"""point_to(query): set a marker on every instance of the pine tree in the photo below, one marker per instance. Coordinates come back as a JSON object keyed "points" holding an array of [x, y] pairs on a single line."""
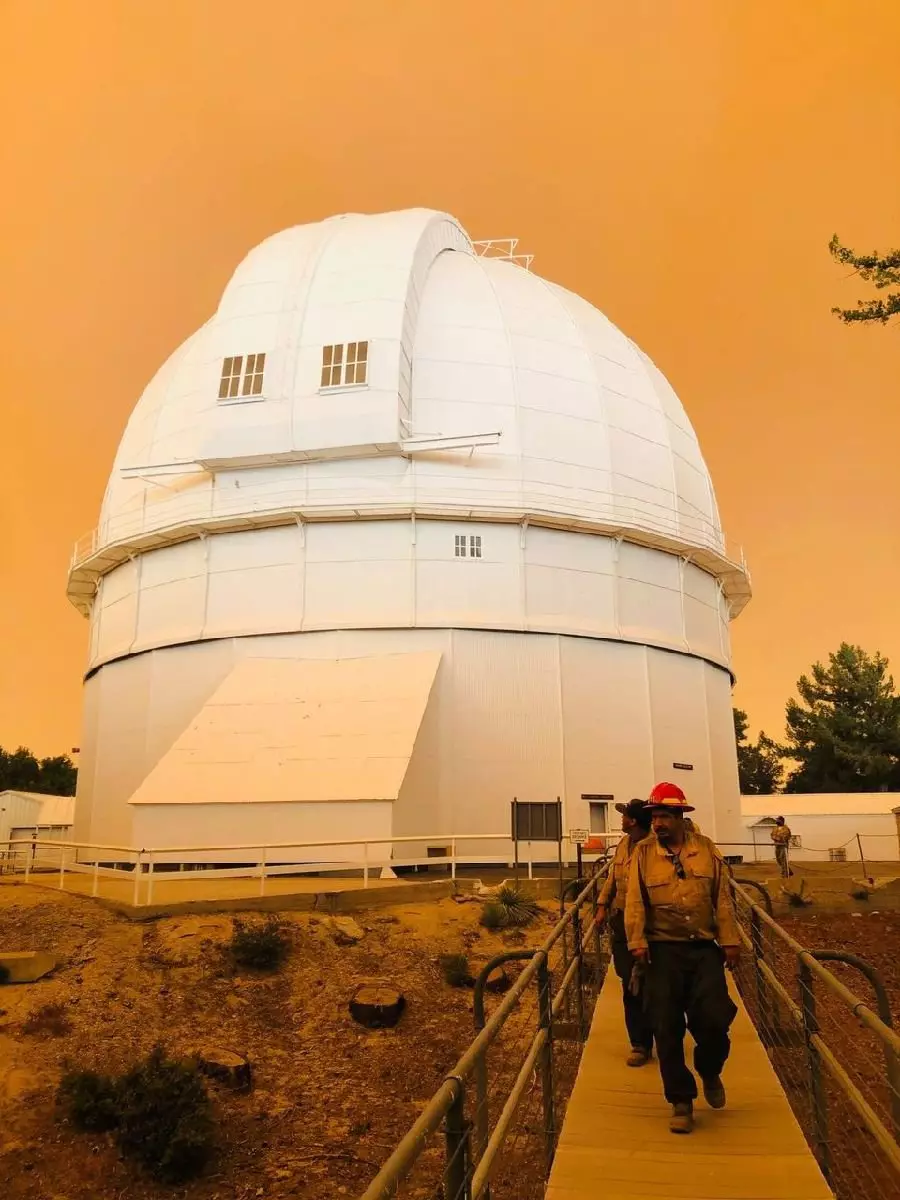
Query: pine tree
{"points": [[760, 770], [844, 734]]}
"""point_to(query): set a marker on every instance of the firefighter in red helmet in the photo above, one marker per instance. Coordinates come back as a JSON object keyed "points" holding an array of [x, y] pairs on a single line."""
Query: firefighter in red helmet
{"points": [[681, 928]]}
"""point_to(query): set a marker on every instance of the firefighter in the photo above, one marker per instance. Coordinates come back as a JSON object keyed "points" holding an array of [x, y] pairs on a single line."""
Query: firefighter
{"points": [[611, 902], [681, 928]]}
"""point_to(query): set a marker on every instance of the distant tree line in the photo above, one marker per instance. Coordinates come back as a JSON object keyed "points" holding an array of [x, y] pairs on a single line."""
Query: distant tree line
{"points": [[21, 771], [841, 735]]}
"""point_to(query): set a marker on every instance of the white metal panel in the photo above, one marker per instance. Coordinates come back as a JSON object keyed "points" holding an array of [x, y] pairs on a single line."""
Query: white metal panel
{"points": [[722, 758], [234, 824], [171, 612], [606, 721], [570, 582], [116, 626], [255, 548], [255, 600], [17, 809], [680, 729], [300, 732], [503, 734], [123, 700]]}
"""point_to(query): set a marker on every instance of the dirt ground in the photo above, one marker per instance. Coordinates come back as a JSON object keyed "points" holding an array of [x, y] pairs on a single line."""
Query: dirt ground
{"points": [[330, 1099]]}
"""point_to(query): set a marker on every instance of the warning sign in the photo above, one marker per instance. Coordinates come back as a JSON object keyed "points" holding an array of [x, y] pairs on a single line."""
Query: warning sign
{"points": [[578, 836]]}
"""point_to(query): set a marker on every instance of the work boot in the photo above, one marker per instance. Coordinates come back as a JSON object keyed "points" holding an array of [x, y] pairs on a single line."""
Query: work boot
{"points": [[682, 1118], [714, 1092], [639, 1057]]}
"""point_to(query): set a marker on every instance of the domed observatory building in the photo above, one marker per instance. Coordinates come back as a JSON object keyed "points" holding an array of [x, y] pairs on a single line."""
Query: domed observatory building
{"points": [[403, 532]]}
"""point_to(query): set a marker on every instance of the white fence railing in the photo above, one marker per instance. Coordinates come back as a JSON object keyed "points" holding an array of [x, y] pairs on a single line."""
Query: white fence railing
{"points": [[140, 870]]}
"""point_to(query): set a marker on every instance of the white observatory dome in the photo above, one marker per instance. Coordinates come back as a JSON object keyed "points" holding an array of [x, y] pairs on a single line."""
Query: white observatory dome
{"points": [[395, 448]]}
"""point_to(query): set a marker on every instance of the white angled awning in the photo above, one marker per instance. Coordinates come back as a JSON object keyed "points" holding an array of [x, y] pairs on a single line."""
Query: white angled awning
{"points": [[308, 731]]}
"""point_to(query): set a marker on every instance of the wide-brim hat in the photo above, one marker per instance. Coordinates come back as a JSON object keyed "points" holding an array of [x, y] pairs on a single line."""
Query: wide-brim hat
{"points": [[631, 807], [670, 797]]}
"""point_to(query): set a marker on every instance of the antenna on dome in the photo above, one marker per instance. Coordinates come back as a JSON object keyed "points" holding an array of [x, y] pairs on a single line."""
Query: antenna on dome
{"points": [[503, 248]]}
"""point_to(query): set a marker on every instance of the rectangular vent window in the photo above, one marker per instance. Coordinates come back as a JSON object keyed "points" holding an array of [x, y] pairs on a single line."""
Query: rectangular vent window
{"points": [[242, 376], [467, 546], [345, 365]]}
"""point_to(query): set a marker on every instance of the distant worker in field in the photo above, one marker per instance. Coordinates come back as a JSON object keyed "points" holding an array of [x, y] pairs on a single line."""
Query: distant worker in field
{"points": [[611, 901], [781, 836], [681, 926]]}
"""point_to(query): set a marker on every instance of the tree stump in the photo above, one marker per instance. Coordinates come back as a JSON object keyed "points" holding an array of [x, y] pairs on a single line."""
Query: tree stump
{"points": [[377, 1005], [497, 981], [226, 1067]]}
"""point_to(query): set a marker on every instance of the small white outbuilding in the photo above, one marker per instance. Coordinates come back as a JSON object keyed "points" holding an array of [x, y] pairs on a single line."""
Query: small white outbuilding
{"points": [[35, 814]]}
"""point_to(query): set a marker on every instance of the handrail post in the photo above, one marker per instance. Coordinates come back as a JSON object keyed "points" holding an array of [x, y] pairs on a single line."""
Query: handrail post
{"points": [[262, 871], [545, 1011], [453, 858], [579, 970], [135, 899], [762, 997], [28, 859], [62, 869], [811, 1027], [365, 864], [457, 1163], [891, 1061], [149, 897], [598, 938], [96, 884]]}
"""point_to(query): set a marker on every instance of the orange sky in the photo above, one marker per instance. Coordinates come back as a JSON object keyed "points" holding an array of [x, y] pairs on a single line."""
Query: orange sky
{"points": [[681, 163]]}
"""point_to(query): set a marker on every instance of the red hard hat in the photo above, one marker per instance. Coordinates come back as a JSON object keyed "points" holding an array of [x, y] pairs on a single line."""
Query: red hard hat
{"points": [[669, 795]]}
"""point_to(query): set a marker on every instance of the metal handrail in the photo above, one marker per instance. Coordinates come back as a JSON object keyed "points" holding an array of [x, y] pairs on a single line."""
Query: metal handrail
{"points": [[819, 1053], [462, 1177]]}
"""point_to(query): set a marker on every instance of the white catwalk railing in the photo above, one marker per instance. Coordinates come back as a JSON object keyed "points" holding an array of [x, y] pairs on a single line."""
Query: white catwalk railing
{"points": [[142, 868], [345, 499]]}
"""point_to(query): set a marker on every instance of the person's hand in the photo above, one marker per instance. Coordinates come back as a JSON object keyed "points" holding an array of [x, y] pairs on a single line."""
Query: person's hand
{"points": [[641, 955], [732, 956]]}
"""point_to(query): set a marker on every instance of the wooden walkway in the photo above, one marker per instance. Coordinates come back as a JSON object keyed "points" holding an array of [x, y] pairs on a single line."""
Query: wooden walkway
{"points": [[616, 1145]]}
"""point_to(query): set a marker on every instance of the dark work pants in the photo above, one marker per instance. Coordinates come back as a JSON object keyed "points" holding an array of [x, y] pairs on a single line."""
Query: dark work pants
{"points": [[637, 1022], [686, 988]]}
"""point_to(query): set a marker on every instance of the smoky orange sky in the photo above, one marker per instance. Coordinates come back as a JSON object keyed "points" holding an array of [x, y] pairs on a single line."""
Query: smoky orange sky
{"points": [[680, 163]]}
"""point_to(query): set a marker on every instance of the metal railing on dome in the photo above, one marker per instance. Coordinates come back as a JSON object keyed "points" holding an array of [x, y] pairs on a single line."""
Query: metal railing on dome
{"points": [[837, 1057], [208, 506]]}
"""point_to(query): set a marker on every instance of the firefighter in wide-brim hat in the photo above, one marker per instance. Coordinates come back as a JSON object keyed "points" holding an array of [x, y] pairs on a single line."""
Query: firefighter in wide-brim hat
{"points": [[611, 901], [681, 926]]}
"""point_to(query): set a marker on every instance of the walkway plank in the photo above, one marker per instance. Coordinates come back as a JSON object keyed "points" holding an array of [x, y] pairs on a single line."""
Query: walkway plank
{"points": [[616, 1145]]}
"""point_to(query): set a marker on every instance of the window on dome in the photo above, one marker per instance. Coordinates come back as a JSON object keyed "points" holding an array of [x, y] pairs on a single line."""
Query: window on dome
{"points": [[467, 546], [242, 377], [345, 365]]}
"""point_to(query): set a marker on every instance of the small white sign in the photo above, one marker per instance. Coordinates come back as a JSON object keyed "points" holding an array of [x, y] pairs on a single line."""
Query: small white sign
{"points": [[578, 836]]}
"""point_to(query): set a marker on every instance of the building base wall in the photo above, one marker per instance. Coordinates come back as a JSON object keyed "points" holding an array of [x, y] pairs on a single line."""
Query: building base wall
{"points": [[524, 715]]}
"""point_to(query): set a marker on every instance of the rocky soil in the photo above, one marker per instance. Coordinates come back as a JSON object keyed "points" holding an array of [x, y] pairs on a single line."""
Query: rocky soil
{"points": [[330, 1099]]}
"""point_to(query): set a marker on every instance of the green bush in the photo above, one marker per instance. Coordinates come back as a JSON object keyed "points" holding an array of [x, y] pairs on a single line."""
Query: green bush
{"points": [[493, 915], [90, 1100], [259, 947], [521, 909], [160, 1111], [165, 1118], [455, 970], [861, 893]]}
